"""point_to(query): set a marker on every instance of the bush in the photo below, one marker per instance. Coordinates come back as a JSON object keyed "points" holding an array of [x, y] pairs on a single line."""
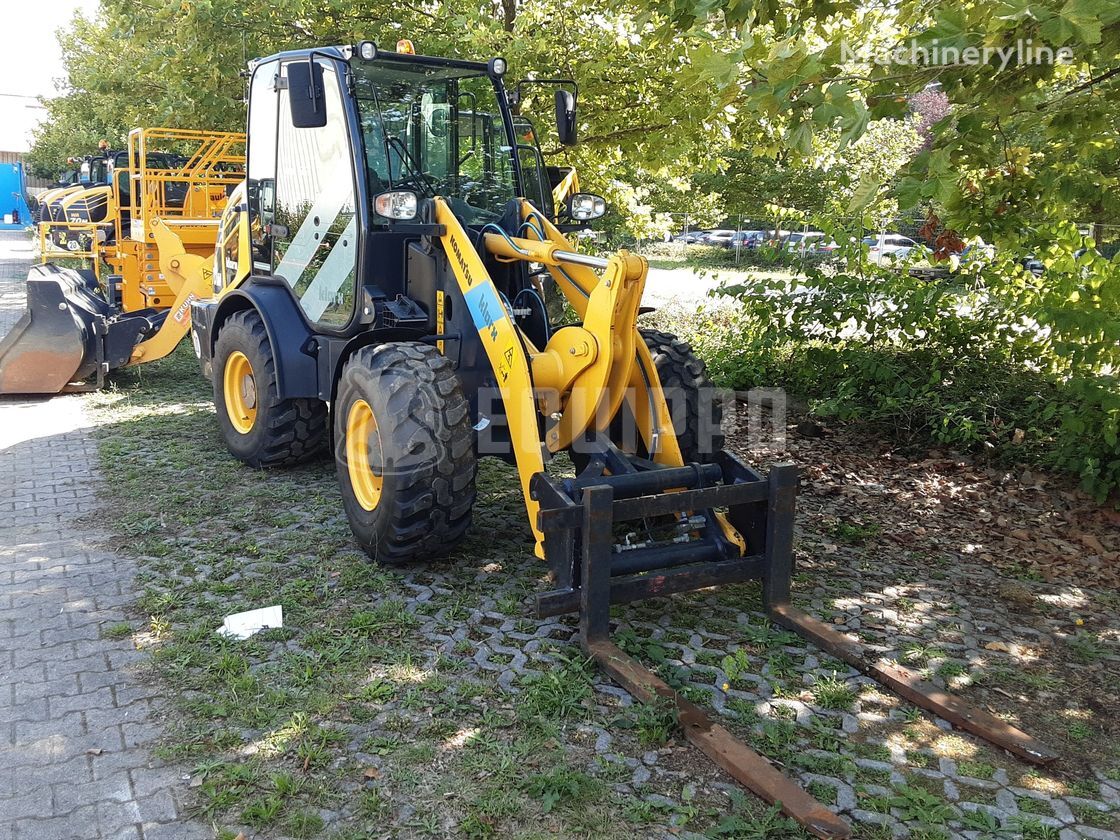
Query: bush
{"points": [[1001, 362]]}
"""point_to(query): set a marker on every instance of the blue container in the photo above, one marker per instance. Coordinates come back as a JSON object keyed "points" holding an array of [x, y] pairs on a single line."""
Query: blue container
{"points": [[14, 212]]}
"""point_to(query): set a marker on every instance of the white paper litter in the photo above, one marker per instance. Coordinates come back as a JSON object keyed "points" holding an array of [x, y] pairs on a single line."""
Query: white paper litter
{"points": [[242, 625]]}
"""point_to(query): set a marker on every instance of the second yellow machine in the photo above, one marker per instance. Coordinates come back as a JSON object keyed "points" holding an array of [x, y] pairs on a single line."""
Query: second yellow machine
{"points": [[142, 221]]}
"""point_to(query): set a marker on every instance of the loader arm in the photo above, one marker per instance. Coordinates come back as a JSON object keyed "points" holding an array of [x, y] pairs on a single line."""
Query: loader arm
{"points": [[574, 385], [190, 277]]}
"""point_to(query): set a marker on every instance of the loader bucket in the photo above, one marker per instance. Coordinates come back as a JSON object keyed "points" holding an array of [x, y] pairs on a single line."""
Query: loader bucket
{"points": [[68, 333]]}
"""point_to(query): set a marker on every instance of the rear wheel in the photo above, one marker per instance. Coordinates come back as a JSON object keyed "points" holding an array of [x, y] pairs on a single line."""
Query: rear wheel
{"points": [[404, 450], [258, 427]]}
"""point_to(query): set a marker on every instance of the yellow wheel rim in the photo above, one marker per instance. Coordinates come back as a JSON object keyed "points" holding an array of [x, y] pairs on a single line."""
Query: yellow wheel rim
{"points": [[362, 437], [240, 388]]}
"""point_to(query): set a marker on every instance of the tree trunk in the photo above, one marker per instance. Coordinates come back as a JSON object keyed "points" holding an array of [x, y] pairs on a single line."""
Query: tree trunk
{"points": [[1097, 219]]}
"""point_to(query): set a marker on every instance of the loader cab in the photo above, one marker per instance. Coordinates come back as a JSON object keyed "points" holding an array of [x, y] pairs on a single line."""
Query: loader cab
{"points": [[390, 123]]}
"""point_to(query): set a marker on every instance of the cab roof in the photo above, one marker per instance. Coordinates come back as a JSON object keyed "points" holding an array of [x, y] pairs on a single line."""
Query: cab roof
{"points": [[346, 52]]}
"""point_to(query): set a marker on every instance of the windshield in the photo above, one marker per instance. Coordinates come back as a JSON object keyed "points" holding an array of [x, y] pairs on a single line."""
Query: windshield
{"points": [[436, 131]]}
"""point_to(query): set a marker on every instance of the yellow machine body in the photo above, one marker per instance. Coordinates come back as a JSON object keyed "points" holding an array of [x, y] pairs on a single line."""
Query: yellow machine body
{"points": [[149, 238]]}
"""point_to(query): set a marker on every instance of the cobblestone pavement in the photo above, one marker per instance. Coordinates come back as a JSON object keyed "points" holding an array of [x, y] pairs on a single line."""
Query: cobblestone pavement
{"points": [[75, 718], [770, 685]]}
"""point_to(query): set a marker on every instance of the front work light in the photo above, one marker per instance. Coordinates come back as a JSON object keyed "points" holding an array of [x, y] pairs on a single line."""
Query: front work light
{"points": [[398, 204], [497, 66], [367, 50], [582, 207]]}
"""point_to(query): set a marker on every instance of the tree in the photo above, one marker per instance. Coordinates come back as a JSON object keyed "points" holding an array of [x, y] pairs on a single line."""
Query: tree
{"points": [[646, 117], [1025, 139]]}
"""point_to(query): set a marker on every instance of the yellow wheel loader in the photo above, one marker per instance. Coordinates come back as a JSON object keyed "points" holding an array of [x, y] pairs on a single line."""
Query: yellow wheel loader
{"points": [[143, 234], [378, 292]]}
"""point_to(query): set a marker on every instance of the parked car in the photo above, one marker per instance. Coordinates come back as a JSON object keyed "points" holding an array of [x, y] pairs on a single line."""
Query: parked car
{"points": [[690, 237], [885, 248], [747, 239], [804, 242], [773, 238], [717, 238]]}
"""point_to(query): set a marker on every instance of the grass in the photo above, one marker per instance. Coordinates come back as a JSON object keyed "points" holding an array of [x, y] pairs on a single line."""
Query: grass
{"points": [[856, 533], [833, 693], [375, 668], [1085, 648], [117, 631], [976, 770]]}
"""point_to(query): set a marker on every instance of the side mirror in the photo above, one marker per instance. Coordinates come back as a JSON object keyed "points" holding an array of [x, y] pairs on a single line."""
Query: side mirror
{"points": [[306, 96], [566, 117]]}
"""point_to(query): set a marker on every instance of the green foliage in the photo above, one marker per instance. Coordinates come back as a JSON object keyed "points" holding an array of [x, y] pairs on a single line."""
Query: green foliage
{"points": [[856, 533], [1085, 647], [833, 693], [558, 694], [560, 785], [647, 124], [1024, 140], [992, 359], [826, 177], [770, 825], [919, 805]]}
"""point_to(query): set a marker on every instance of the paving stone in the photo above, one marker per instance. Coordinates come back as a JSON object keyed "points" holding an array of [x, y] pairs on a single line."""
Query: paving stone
{"points": [[65, 690], [175, 831]]}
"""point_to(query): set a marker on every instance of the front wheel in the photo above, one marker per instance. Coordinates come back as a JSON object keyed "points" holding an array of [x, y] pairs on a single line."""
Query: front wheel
{"points": [[258, 427], [404, 452], [690, 398]]}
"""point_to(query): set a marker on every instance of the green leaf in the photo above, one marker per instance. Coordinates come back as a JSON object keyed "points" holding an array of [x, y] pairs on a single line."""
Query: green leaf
{"points": [[864, 194]]}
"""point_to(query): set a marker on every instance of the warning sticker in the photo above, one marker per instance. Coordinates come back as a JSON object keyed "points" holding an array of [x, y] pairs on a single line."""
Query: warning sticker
{"points": [[487, 312]]}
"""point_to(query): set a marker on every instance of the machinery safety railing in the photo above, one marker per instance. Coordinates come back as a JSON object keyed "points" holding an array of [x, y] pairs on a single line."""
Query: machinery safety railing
{"points": [[72, 240]]}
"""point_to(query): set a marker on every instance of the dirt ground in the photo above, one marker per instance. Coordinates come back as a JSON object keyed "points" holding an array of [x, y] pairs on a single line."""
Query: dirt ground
{"points": [[924, 534]]}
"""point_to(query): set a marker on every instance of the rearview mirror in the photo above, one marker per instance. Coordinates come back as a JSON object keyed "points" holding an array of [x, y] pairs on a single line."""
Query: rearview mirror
{"points": [[566, 117], [306, 97]]}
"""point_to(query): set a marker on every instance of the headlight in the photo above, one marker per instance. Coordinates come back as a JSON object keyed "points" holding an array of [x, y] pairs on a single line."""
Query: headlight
{"points": [[367, 50], [586, 206], [398, 204]]}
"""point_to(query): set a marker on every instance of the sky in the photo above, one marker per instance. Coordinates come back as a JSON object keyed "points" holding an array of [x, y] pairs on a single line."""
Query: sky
{"points": [[29, 64], [33, 58]]}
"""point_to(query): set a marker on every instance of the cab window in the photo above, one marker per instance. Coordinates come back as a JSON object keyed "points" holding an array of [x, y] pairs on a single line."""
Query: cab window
{"points": [[314, 230]]}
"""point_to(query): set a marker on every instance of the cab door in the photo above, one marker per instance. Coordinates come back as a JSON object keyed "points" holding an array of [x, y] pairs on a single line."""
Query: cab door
{"points": [[315, 227]]}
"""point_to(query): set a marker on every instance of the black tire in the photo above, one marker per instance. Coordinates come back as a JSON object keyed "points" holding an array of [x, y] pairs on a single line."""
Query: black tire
{"points": [[283, 432], [424, 447], [688, 391]]}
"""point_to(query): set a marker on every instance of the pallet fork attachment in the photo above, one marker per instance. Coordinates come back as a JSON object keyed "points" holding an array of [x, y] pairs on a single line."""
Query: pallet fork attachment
{"points": [[578, 518], [696, 525]]}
